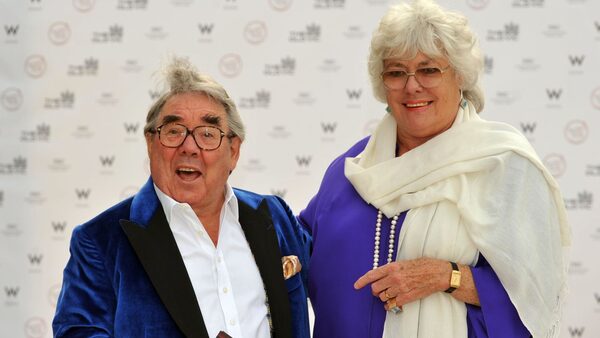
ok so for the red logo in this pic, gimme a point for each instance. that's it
(230, 65)
(556, 164)
(84, 5)
(576, 131)
(59, 33)
(35, 66)
(280, 5)
(35, 328)
(595, 98)
(255, 32)
(478, 4)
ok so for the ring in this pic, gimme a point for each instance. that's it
(395, 309)
(386, 294)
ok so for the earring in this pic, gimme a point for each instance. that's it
(388, 109)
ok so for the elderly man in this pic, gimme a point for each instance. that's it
(188, 256)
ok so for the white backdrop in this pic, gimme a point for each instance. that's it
(76, 82)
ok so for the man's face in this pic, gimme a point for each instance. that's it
(187, 173)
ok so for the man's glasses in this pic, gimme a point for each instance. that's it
(427, 77)
(207, 138)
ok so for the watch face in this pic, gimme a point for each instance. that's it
(455, 279)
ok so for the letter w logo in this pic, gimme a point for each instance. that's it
(528, 127)
(576, 331)
(328, 127)
(205, 28)
(35, 259)
(354, 93)
(82, 194)
(576, 60)
(131, 128)
(107, 161)
(11, 291)
(303, 161)
(11, 30)
(554, 93)
(59, 226)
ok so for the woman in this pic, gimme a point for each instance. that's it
(447, 221)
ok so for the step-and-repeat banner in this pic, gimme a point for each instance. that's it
(77, 78)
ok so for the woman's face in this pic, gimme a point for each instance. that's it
(422, 113)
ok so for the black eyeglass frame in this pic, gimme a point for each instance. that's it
(189, 132)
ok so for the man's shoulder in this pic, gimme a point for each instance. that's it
(107, 220)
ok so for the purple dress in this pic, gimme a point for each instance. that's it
(343, 229)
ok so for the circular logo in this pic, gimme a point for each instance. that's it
(35, 328)
(11, 99)
(230, 65)
(35, 66)
(53, 294)
(84, 5)
(596, 98)
(576, 131)
(556, 164)
(255, 32)
(280, 5)
(59, 33)
(478, 4)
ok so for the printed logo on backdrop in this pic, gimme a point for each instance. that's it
(131, 66)
(106, 164)
(576, 131)
(205, 30)
(66, 99)
(528, 4)
(328, 131)
(53, 294)
(58, 229)
(58, 165)
(131, 131)
(11, 99)
(286, 66)
(35, 198)
(261, 99)
(84, 5)
(583, 201)
(597, 25)
(576, 331)
(510, 32)
(11, 33)
(18, 166)
(256, 32)
(304, 99)
(556, 164)
(478, 4)
(254, 165)
(279, 131)
(156, 33)
(591, 170)
(488, 64)
(132, 4)
(230, 65)
(128, 191)
(59, 33)
(41, 133)
(280, 5)
(354, 32)
(11, 295)
(182, 3)
(528, 65)
(11, 230)
(82, 196)
(329, 66)
(35, 66)
(35, 262)
(279, 192)
(82, 132)
(114, 34)
(311, 33)
(107, 99)
(230, 4)
(35, 328)
(528, 129)
(577, 268)
(327, 4)
(35, 5)
(576, 62)
(303, 164)
(595, 98)
(554, 31)
(353, 96)
(597, 299)
(554, 95)
(88, 68)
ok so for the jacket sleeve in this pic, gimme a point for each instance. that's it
(86, 304)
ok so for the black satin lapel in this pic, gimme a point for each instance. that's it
(157, 250)
(261, 236)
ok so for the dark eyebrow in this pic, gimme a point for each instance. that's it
(212, 119)
(170, 118)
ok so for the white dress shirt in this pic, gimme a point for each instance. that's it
(225, 278)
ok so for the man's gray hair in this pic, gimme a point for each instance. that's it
(424, 26)
(182, 77)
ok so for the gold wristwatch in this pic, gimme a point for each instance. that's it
(454, 278)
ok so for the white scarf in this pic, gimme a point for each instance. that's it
(476, 188)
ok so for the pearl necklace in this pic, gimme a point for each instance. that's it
(378, 237)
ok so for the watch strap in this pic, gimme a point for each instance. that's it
(454, 268)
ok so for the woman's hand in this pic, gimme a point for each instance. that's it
(410, 280)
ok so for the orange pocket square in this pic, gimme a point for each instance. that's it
(291, 266)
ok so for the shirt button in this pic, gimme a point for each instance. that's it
(225, 290)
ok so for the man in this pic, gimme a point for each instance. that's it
(188, 256)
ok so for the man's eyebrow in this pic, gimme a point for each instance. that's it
(171, 118)
(212, 119)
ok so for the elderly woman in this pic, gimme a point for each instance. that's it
(440, 224)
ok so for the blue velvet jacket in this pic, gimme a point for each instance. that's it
(126, 277)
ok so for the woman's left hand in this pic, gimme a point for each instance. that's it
(410, 280)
